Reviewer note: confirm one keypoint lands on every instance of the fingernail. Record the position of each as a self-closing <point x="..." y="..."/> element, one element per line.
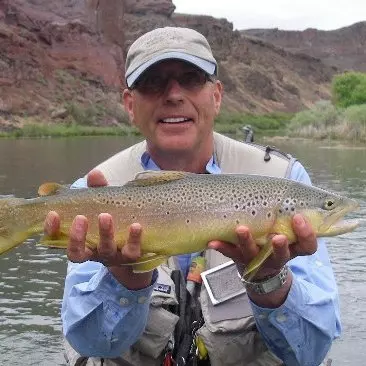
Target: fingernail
<point x="135" y="229"/>
<point x="49" y="221"/>
<point x="79" y="227"/>
<point x="299" y="220"/>
<point x="281" y="243"/>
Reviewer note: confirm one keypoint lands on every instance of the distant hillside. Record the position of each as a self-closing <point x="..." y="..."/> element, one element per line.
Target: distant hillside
<point x="62" y="55"/>
<point x="344" y="48"/>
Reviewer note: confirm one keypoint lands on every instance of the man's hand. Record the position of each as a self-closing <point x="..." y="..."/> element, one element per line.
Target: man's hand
<point x="107" y="251"/>
<point x="247" y="249"/>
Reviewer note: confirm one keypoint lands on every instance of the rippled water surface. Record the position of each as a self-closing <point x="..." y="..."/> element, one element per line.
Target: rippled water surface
<point x="31" y="281"/>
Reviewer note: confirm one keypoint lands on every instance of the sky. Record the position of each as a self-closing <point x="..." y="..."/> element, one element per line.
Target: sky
<point x="282" y="14"/>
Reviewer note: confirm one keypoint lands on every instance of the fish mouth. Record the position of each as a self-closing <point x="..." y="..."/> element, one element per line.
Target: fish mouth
<point x="334" y="224"/>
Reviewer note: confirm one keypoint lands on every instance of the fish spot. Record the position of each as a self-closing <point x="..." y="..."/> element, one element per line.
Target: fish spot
<point x="168" y="213"/>
<point x="280" y="211"/>
<point x="237" y="222"/>
<point x="253" y="212"/>
<point x="188" y="221"/>
<point x="225" y="216"/>
<point x="269" y="214"/>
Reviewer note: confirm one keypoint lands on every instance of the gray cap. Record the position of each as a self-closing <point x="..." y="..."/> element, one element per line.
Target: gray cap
<point x="168" y="43"/>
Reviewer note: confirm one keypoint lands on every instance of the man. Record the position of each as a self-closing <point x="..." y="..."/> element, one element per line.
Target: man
<point x="112" y="316"/>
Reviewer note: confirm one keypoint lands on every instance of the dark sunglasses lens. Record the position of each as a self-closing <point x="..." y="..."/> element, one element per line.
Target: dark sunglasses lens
<point x="190" y="80"/>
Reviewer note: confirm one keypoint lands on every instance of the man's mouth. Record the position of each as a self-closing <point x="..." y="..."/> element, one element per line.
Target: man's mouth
<point x="174" y="120"/>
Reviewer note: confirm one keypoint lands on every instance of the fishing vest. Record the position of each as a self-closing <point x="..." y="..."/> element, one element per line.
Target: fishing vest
<point x="229" y="332"/>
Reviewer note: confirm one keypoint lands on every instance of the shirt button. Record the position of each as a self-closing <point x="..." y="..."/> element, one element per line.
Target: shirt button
<point x="281" y="318"/>
<point x="142" y="299"/>
<point x="123" y="301"/>
<point x="262" y="316"/>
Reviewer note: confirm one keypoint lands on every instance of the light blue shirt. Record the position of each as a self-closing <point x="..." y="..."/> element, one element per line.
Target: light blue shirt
<point x="101" y="318"/>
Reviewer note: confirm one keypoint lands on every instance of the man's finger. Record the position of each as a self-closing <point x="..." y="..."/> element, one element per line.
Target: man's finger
<point x="247" y="244"/>
<point x="96" y="178"/>
<point x="52" y="224"/>
<point x="107" y="248"/>
<point x="281" y="250"/>
<point x="132" y="249"/>
<point x="76" y="248"/>
<point x="306" y="238"/>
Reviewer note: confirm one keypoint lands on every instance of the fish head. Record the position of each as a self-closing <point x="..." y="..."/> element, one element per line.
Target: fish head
<point x="327" y="219"/>
<point x="324" y="210"/>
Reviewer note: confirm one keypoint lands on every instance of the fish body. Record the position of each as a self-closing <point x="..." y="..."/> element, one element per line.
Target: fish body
<point x="180" y="212"/>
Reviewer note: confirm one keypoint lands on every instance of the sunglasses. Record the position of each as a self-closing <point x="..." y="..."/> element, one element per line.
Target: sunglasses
<point x="156" y="83"/>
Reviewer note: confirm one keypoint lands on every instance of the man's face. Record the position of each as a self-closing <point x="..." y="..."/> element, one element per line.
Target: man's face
<point x="174" y="106"/>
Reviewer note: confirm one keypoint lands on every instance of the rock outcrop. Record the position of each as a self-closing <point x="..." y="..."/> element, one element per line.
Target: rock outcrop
<point x="344" y="48"/>
<point x="61" y="54"/>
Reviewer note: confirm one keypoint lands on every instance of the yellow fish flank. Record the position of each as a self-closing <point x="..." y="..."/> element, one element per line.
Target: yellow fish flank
<point x="180" y="212"/>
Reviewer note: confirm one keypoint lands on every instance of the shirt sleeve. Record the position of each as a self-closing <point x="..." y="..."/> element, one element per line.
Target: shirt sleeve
<point x="100" y="317"/>
<point x="301" y="330"/>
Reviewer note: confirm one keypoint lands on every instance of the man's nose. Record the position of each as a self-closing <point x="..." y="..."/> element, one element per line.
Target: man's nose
<point x="173" y="90"/>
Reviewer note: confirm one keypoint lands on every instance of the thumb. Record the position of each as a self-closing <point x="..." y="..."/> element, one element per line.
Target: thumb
<point x="96" y="178"/>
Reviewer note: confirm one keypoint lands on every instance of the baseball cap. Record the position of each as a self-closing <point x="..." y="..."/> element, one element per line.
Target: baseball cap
<point x="168" y="43"/>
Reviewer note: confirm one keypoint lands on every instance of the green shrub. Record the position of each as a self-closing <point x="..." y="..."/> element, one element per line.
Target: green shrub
<point x="322" y="114"/>
<point x="233" y="122"/>
<point x="349" y="89"/>
<point x="355" y="114"/>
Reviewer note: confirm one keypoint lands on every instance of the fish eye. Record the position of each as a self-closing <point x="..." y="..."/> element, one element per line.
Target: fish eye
<point x="329" y="204"/>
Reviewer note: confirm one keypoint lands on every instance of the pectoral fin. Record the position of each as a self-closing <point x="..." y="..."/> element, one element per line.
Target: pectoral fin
<point x="147" y="262"/>
<point x="60" y="241"/>
<point x="255" y="264"/>
<point x="51" y="188"/>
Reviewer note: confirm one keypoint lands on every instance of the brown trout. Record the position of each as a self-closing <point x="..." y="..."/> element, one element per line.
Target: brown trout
<point x="180" y="212"/>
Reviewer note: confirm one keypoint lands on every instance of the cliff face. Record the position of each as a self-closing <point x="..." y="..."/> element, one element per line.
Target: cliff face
<point x="54" y="53"/>
<point x="344" y="48"/>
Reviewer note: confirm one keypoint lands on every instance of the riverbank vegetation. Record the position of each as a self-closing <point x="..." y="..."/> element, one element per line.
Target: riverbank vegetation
<point x="343" y="117"/>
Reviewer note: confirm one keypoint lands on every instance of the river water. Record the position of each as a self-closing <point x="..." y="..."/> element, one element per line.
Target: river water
<point x="31" y="282"/>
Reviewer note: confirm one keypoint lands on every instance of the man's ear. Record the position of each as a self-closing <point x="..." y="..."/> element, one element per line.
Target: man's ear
<point x="219" y="89"/>
<point x="127" y="99"/>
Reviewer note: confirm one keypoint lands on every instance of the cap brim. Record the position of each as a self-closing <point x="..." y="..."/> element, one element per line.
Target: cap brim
<point x="207" y="66"/>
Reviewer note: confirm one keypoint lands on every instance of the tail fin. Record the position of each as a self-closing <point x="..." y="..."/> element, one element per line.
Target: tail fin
<point x="11" y="233"/>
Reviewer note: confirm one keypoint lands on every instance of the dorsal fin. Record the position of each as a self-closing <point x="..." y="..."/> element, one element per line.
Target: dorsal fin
<point x="153" y="177"/>
<point x="49" y="189"/>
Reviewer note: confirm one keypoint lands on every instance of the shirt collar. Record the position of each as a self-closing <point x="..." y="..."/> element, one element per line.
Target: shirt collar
<point x="149" y="164"/>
